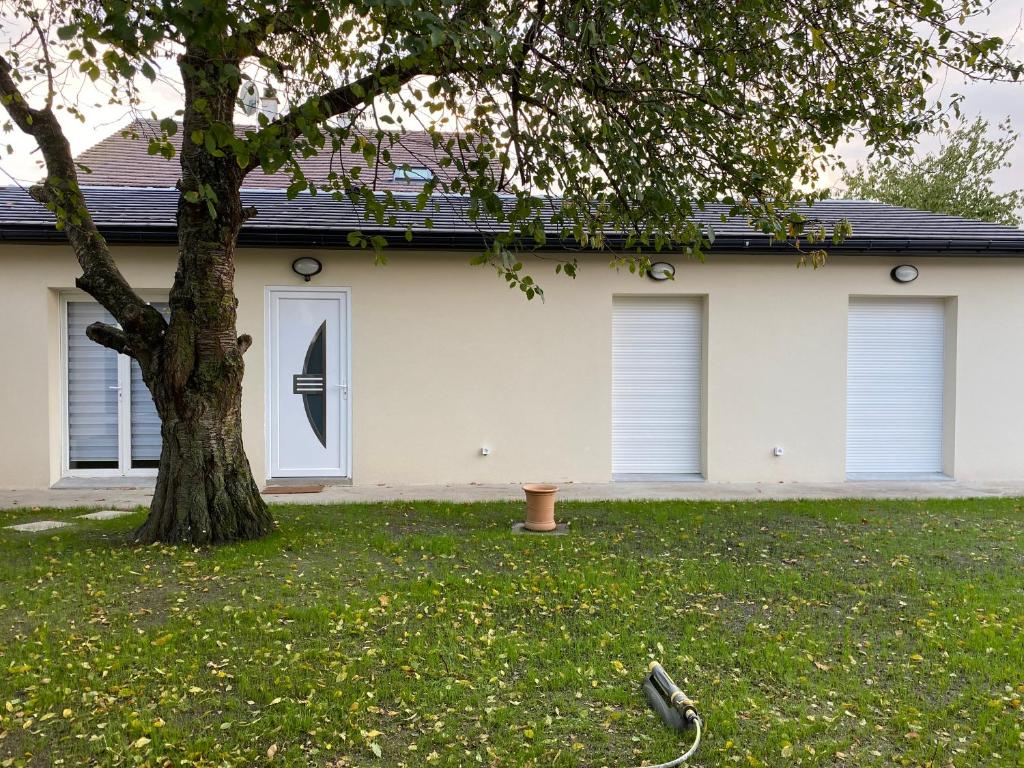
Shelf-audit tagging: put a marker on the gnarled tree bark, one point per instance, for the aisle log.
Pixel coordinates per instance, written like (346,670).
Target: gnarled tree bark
(192,365)
(205,491)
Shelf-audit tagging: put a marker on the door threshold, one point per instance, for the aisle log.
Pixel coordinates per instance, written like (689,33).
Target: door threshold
(898,477)
(664,477)
(309,480)
(105,483)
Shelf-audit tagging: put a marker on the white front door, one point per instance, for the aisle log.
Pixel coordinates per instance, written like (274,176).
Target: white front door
(309,388)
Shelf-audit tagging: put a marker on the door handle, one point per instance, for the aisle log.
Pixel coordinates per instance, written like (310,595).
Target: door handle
(342,387)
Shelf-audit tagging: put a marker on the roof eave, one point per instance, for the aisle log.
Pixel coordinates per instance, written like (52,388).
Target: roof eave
(295,237)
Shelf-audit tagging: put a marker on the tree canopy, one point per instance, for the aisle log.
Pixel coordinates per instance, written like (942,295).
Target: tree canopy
(956,179)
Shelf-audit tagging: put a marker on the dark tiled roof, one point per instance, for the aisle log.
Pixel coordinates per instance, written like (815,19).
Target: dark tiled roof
(122,160)
(147,215)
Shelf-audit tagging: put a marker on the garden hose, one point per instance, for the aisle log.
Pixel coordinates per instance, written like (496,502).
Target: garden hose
(675,708)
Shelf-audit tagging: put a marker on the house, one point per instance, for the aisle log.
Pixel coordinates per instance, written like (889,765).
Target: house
(901,358)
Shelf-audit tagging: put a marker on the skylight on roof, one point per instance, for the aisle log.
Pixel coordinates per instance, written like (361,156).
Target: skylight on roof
(413,174)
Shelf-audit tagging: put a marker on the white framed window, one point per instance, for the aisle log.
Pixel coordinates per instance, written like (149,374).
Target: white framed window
(414,173)
(110,425)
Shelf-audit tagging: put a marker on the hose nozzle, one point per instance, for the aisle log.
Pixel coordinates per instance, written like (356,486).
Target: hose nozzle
(674,707)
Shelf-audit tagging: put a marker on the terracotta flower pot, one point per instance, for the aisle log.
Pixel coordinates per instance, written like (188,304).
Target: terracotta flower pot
(540,506)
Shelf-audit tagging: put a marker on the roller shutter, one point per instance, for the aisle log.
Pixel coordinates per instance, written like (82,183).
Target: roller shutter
(656,386)
(895,381)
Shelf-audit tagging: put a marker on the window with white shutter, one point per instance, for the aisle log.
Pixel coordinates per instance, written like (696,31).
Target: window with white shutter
(895,386)
(657,385)
(92,391)
(111,423)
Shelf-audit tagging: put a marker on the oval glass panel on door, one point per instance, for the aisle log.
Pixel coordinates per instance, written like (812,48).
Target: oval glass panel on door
(309,388)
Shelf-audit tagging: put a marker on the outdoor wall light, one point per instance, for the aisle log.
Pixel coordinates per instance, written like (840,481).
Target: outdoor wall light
(904,273)
(661,270)
(307,266)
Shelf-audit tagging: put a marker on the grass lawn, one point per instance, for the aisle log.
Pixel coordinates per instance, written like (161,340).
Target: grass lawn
(853,633)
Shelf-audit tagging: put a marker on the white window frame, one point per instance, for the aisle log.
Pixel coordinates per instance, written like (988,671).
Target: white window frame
(413,174)
(124,403)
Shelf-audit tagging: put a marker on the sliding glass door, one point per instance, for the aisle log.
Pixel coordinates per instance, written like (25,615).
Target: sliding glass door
(111,425)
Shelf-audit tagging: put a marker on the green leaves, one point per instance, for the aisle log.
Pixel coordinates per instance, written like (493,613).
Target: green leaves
(204,195)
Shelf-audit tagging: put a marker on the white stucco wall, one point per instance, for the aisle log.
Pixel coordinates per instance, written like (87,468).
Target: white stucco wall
(447,359)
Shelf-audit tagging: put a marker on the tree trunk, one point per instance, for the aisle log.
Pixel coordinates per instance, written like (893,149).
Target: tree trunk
(192,364)
(205,492)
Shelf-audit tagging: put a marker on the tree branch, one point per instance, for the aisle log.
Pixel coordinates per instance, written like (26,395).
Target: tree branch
(345,98)
(339,101)
(109,337)
(61,194)
(46,60)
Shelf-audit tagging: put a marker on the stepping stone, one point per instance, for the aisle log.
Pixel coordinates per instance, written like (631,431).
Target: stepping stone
(106,514)
(39,525)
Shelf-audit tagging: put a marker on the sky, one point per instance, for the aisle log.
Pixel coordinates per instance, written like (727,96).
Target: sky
(992,101)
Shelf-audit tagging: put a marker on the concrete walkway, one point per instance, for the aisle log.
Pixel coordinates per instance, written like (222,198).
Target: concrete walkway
(129,496)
